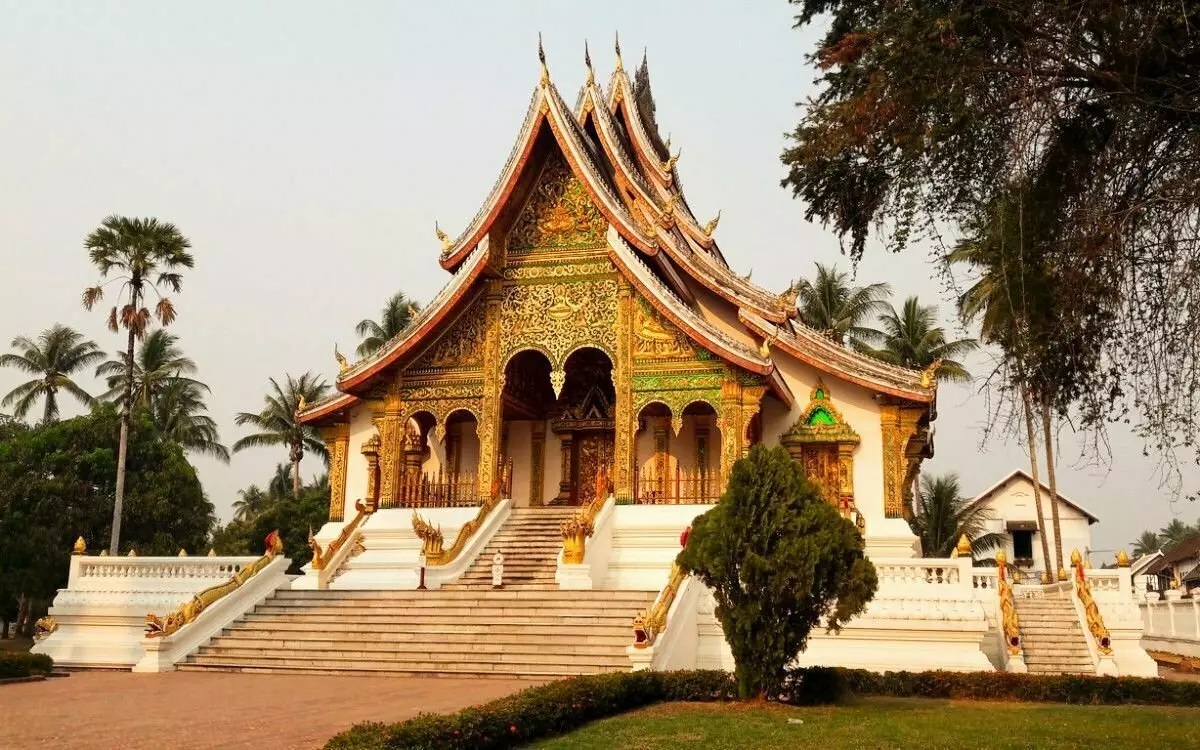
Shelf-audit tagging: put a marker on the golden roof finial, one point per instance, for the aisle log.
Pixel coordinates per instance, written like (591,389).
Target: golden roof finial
(446,243)
(80,547)
(587,60)
(787,300)
(929,374)
(746,278)
(617,46)
(667,145)
(301,404)
(1122,559)
(343,365)
(764,349)
(712,224)
(670,163)
(542,59)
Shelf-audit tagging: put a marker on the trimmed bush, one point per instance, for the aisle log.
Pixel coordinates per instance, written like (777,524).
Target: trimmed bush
(564,706)
(24,665)
(1006,686)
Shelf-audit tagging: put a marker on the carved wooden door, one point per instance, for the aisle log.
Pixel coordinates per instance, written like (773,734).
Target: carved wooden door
(595,452)
(821,466)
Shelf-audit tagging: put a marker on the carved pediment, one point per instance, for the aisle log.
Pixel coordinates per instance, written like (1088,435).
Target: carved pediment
(655,338)
(558,214)
(820,422)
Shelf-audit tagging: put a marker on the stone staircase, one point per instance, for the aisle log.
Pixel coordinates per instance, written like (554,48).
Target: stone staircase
(528,628)
(1051,637)
(530,541)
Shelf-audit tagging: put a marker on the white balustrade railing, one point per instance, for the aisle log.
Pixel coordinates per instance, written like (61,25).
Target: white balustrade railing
(919,572)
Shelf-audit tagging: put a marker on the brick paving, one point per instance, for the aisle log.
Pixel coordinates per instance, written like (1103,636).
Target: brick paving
(194,710)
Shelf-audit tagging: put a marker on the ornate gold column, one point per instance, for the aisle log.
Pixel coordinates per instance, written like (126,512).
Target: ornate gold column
(566,452)
(537,460)
(391,447)
(752,396)
(662,452)
(370,449)
(337,442)
(493,388)
(899,426)
(625,426)
(731,426)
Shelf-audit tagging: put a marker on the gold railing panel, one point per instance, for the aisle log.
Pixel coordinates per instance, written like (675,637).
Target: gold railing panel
(157,627)
(1091,610)
(649,623)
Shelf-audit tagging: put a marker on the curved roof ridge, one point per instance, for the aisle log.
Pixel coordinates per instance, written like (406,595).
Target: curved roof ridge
(614,145)
(466,273)
(325,406)
(680,311)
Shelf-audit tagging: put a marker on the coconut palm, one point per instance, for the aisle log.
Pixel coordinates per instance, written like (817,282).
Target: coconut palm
(159,363)
(837,308)
(178,413)
(278,424)
(145,256)
(1175,532)
(1002,300)
(911,337)
(393,319)
(251,503)
(1146,544)
(57,354)
(943,516)
(281,481)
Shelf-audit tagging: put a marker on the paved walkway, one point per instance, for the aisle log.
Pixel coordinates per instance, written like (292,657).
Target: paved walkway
(193,710)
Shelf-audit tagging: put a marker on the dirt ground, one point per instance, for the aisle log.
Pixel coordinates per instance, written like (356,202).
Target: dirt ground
(193,710)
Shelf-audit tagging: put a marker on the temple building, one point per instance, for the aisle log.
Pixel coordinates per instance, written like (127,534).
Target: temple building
(592,323)
(511,474)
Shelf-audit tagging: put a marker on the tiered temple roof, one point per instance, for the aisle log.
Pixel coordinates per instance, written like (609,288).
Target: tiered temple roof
(654,239)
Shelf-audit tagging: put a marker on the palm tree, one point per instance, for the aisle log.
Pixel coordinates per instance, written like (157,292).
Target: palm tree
(278,425)
(1146,544)
(393,319)
(158,364)
(143,255)
(833,306)
(910,337)
(251,503)
(54,357)
(944,515)
(1001,300)
(281,482)
(178,413)
(1175,532)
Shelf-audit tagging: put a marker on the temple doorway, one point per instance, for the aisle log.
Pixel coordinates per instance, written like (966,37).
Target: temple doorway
(584,424)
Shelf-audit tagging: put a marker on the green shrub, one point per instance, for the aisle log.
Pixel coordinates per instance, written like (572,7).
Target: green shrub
(778,559)
(24,665)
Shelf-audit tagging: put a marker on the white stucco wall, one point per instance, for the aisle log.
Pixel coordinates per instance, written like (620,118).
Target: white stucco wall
(361,429)
(1015,502)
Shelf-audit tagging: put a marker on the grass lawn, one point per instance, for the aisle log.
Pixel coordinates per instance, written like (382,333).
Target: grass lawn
(890,723)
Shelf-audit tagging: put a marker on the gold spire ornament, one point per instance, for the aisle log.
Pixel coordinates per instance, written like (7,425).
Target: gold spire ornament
(302,404)
(929,374)
(132,552)
(446,243)
(617,46)
(1122,559)
(182,552)
(667,145)
(712,224)
(80,547)
(964,547)
(746,278)
(764,349)
(542,59)
(343,365)
(587,61)
(670,163)
(212,552)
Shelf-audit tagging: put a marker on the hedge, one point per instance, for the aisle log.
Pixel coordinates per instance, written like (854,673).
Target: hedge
(24,665)
(561,707)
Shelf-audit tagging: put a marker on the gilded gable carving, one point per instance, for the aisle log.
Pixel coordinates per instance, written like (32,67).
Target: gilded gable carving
(462,345)
(558,214)
(655,338)
(558,318)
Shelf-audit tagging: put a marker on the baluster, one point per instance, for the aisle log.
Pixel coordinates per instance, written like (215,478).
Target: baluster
(678,478)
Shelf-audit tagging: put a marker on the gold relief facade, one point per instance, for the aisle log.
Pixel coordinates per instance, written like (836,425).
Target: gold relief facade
(556,319)
(558,214)
(655,338)
(623,411)
(900,425)
(337,442)
(461,346)
(493,386)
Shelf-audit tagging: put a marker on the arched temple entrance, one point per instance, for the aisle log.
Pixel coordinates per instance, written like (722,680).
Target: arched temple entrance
(677,457)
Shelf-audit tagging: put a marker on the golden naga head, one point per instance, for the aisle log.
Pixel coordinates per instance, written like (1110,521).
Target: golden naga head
(641,638)
(929,374)
(712,224)
(431,538)
(318,558)
(301,404)
(274,543)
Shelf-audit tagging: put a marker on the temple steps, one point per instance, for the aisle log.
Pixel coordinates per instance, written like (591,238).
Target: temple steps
(527,628)
(1052,640)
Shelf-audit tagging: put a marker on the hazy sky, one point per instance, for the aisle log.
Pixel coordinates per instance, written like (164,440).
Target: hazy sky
(307,148)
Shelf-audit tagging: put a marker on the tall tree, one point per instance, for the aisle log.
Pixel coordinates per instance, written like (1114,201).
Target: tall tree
(833,305)
(57,354)
(1081,120)
(179,414)
(159,362)
(1146,544)
(944,515)
(251,502)
(278,424)
(281,481)
(393,319)
(911,337)
(145,256)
